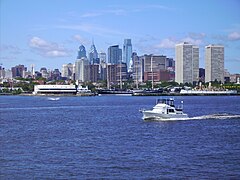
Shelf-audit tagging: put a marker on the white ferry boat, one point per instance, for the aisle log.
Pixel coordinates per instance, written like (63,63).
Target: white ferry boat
(164,110)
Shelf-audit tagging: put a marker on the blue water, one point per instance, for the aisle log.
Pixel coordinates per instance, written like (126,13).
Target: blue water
(105,138)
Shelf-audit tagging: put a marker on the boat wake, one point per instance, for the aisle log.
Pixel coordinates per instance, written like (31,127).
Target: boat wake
(204,117)
(218,116)
(53,99)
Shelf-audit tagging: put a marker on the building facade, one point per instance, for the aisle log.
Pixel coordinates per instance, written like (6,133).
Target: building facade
(127,52)
(81,52)
(67,71)
(116,74)
(187,63)
(154,68)
(137,69)
(93,55)
(114,54)
(19,71)
(214,63)
(94,75)
(102,57)
(82,69)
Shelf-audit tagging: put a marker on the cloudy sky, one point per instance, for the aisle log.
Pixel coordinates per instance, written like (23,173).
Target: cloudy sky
(47,33)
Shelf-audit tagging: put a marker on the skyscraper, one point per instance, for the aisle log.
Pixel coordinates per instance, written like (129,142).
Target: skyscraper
(102,57)
(81,52)
(127,52)
(18,71)
(81,69)
(93,54)
(67,71)
(114,54)
(187,63)
(214,63)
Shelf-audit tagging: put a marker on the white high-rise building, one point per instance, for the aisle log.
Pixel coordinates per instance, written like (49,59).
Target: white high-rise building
(214,63)
(187,63)
(81,69)
(67,71)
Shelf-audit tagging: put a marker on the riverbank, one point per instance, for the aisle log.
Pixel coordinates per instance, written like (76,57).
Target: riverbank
(139,94)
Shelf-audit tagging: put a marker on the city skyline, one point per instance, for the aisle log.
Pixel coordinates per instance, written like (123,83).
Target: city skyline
(49,33)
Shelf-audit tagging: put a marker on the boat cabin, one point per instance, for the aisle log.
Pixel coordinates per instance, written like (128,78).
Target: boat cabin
(169,102)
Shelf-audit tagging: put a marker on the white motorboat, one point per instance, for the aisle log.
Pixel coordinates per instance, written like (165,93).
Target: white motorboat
(164,110)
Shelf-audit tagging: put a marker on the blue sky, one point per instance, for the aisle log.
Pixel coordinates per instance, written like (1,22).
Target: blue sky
(47,33)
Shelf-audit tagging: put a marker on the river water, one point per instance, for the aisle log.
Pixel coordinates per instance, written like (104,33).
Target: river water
(106,138)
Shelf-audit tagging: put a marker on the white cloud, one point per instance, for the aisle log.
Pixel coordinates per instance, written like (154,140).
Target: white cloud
(192,41)
(47,49)
(166,43)
(234,36)
(81,39)
(91,15)
(169,43)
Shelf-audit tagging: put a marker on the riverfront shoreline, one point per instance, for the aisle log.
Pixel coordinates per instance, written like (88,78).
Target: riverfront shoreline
(143,94)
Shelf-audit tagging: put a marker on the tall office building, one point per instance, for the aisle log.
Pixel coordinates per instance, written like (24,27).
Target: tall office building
(187,63)
(81,52)
(67,71)
(127,52)
(102,57)
(44,72)
(137,69)
(19,71)
(93,55)
(154,67)
(114,54)
(81,69)
(214,63)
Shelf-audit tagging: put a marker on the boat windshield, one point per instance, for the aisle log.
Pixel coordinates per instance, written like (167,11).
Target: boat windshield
(169,102)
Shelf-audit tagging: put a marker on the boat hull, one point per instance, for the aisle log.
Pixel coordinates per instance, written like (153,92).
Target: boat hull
(149,115)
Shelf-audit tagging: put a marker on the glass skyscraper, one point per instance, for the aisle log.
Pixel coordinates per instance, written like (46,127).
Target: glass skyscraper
(93,54)
(114,54)
(127,52)
(81,52)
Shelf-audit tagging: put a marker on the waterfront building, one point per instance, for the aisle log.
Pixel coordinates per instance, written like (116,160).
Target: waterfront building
(103,71)
(154,68)
(187,63)
(234,78)
(93,55)
(44,72)
(68,71)
(93,72)
(8,74)
(127,52)
(214,63)
(102,57)
(202,74)
(2,72)
(170,63)
(114,54)
(137,69)
(116,74)
(55,75)
(55,89)
(18,71)
(81,52)
(82,69)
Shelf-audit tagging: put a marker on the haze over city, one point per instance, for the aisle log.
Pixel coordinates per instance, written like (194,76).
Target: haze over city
(48,33)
